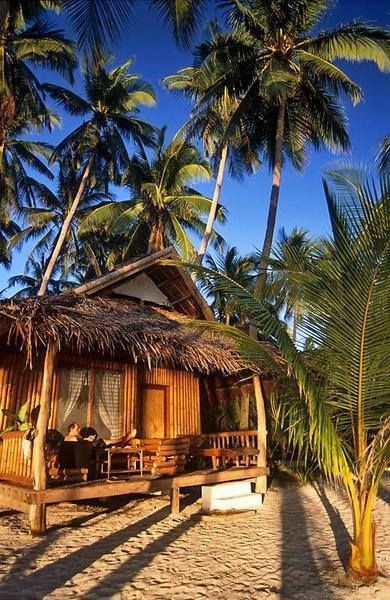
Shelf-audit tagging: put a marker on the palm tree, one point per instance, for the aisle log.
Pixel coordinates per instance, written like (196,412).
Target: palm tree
(16,155)
(383,156)
(28,39)
(98,144)
(272,56)
(341,411)
(98,23)
(236,149)
(30,281)
(164,209)
(240,269)
(293,254)
(17,187)
(44,219)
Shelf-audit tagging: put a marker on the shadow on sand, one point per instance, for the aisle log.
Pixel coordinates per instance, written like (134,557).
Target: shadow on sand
(340,532)
(54,575)
(301,560)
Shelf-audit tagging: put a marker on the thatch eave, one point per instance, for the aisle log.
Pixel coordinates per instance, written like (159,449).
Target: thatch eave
(119,329)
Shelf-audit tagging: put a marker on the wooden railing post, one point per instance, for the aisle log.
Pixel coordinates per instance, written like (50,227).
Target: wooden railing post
(38,511)
(261,482)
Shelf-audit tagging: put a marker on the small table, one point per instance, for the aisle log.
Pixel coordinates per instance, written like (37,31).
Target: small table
(129,452)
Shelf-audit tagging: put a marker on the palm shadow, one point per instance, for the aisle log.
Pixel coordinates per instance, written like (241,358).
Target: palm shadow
(340,531)
(300,569)
(42,582)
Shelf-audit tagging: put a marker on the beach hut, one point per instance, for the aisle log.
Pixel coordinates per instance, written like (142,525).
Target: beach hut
(119,353)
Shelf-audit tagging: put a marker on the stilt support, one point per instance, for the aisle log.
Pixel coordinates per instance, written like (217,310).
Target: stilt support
(37,519)
(175,501)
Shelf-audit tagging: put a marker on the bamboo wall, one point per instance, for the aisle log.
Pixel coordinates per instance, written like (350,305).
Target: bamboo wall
(18,384)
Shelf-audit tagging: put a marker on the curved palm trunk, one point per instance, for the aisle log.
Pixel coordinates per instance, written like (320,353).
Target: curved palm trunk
(65,227)
(214,206)
(274,198)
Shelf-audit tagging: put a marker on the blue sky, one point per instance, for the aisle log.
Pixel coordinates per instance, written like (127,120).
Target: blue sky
(301,201)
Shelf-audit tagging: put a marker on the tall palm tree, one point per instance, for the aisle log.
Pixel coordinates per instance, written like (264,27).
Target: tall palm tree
(30,281)
(164,208)
(292,255)
(17,187)
(237,150)
(272,55)
(18,154)
(44,219)
(240,269)
(98,23)
(340,408)
(112,100)
(27,40)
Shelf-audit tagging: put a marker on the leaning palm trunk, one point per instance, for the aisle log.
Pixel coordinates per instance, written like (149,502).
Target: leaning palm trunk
(274,199)
(214,206)
(65,227)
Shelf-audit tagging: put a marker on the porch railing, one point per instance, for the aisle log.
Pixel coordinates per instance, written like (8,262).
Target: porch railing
(232,439)
(13,465)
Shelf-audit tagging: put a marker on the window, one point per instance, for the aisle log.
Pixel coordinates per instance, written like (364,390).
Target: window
(91,397)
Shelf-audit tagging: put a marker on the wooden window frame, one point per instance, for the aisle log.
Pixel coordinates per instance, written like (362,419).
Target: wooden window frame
(91,368)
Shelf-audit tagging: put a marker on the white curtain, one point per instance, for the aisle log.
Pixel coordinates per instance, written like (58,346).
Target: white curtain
(72,383)
(108,400)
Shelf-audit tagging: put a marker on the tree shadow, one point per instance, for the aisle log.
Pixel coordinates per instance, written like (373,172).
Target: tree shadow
(340,531)
(128,570)
(71,564)
(300,569)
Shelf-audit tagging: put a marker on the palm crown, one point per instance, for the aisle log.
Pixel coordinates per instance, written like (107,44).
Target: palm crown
(30,39)
(270,62)
(165,208)
(98,145)
(112,100)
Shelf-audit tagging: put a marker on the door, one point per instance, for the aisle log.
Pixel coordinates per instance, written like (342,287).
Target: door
(153,411)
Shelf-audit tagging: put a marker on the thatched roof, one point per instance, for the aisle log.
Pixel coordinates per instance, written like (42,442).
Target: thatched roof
(116,328)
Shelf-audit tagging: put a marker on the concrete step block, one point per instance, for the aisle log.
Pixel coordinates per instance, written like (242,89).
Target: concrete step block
(227,490)
(246,502)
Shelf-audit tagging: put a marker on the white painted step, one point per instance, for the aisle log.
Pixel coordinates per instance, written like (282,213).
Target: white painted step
(227,490)
(247,502)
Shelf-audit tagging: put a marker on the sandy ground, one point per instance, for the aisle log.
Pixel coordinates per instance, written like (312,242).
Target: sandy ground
(135,550)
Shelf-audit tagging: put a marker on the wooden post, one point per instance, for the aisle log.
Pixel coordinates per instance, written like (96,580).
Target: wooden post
(261,482)
(38,511)
(244,408)
(175,501)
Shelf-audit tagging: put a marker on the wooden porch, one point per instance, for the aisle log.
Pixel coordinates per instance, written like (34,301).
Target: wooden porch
(233,456)
(22,497)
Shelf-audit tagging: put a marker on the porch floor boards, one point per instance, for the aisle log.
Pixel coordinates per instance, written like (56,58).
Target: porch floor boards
(21,497)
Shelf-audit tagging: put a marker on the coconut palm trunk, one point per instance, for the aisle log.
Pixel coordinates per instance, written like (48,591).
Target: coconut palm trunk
(156,239)
(66,226)
(274,199)
(362,564)
(214,206)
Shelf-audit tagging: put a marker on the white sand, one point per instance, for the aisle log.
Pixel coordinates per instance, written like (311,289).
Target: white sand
(136,551)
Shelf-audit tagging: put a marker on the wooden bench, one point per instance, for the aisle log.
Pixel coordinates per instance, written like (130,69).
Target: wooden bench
(228,447)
